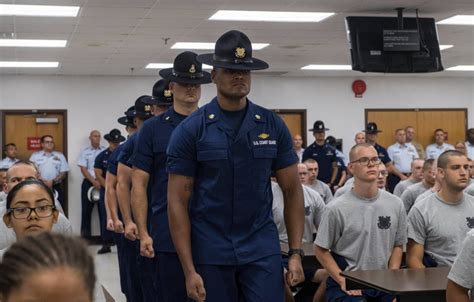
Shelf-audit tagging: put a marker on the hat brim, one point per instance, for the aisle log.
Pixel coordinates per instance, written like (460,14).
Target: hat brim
(124,121)
(318,130)
(167,74)
(109,139)
(158,102)
(371,132)
(208,58)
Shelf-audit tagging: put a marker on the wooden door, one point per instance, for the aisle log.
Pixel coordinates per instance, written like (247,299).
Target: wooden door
(425,121)
(295,120)
(20,126)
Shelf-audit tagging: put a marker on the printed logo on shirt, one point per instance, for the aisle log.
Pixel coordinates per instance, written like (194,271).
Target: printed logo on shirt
(384,222)
(470,222)
(264,140)
(307,211)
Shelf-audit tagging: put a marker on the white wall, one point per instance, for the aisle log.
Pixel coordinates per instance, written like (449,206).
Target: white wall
(96,102)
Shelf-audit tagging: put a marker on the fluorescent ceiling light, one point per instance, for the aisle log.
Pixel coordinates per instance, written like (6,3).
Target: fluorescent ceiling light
(458,20)
(15,64)
(32,43)
(443,47)
(169,65)
(326,67)
(38,10)
(461,68)
(269,16)
(210,46)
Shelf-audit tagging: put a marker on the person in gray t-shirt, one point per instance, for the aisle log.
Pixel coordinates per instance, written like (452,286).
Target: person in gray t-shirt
(415,177)
(438,224)
(315,184)
(461,276)
(412,192)
(363,229)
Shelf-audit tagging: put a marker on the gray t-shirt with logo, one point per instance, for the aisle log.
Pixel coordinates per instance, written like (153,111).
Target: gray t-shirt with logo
(363,231)
(313,209)
(462,271)
(411,193)
(323,190)
(402,185)
(441,227)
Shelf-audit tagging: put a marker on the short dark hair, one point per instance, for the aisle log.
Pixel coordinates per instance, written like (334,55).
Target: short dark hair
(439,129)
(428,164)
(45,136)
(5,147)
(29,182)
(44,251)
(443,159)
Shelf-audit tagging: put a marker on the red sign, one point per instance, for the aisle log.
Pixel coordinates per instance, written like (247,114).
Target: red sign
(359,87)
(33,143)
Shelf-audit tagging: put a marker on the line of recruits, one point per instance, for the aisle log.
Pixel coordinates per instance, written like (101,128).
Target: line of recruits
(189,224)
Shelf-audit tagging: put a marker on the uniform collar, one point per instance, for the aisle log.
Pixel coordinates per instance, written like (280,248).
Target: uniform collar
(254,116)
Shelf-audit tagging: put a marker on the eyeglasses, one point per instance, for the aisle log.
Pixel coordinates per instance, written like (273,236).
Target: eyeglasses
(364,161)
(24,212)
(383,173)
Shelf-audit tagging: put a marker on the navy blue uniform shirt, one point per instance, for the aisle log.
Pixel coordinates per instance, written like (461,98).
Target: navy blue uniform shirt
(127,150)
(112,165)
(150,156)
(325,155)
(382,153)
(102,160)
(231,206)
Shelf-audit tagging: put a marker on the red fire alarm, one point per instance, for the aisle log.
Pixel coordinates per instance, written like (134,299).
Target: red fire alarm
(359,87)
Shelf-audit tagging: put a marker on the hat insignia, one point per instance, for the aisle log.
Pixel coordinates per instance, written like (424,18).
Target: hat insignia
(167,93)
(147,108)
(192,69)
(240,52)
(263,135)
(320,126)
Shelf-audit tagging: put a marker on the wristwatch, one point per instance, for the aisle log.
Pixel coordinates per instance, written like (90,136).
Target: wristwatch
(292,252)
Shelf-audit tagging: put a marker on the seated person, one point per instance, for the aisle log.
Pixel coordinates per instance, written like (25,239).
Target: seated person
(364,229)
(412,192)
(47,267)
(314,208)
(416,175)
(18,172)
(314,183)
(437,225)
(461,276)
(31,211)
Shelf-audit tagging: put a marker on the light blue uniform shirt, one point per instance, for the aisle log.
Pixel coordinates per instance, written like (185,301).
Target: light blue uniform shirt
(434,151)
(50,164)
(87,158)
(7,162)
(402,156)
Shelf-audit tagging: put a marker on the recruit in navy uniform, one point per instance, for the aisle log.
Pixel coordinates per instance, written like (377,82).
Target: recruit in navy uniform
(219,162)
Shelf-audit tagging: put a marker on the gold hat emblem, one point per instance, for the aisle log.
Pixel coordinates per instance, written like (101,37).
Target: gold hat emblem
(264,135)
(147,108)
(240,52)
(167,93)
(192,69)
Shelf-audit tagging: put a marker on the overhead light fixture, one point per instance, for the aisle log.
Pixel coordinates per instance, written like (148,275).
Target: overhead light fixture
(269,16)
(443,47)
(38,10)
(458,20)
(461,68)
(169,65)
(326,67)
(16,64)
(32,43)
(209,46)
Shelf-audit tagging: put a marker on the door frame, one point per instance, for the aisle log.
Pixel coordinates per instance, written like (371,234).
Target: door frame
(62,112)
(302,112)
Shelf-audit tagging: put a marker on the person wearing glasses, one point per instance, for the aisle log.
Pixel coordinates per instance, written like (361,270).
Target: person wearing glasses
(52,165)
(31,212)
(19,172)
(438,224)
(364,229)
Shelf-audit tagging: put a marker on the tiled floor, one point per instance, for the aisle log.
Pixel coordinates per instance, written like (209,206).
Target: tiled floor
(107,272)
